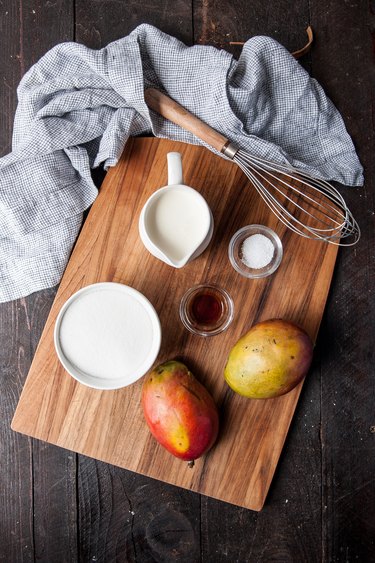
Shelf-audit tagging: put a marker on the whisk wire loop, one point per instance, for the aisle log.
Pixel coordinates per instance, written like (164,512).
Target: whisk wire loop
(327,215)
(314,203)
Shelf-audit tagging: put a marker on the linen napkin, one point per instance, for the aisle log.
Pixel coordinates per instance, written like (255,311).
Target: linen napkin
(77,107)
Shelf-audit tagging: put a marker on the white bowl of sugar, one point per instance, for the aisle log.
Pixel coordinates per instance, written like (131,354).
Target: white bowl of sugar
(107,335)
(255,251)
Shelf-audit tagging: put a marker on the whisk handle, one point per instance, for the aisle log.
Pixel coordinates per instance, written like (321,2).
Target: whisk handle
(173,111)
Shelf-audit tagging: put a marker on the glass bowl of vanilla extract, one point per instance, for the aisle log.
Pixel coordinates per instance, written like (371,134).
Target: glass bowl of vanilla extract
(206,310)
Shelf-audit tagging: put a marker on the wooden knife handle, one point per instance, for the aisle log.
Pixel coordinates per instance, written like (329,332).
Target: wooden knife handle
(171,110)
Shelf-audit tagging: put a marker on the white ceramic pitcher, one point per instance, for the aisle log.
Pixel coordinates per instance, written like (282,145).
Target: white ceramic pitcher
(176,224)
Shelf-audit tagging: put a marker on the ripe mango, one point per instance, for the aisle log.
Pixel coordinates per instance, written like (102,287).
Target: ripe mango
(269,360)
(179,411)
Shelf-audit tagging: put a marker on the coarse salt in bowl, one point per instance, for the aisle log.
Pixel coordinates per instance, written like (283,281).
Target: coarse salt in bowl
(255,251)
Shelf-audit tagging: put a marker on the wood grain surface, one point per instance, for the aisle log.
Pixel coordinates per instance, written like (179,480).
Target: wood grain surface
(63,507)
(109,425)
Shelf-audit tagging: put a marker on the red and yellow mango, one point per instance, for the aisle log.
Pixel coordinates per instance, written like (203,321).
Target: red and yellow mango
(179,411)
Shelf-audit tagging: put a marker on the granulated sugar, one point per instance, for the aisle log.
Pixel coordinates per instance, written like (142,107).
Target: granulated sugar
(257,251)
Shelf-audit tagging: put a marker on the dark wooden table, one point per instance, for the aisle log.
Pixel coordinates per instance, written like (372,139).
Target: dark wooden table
(58,506)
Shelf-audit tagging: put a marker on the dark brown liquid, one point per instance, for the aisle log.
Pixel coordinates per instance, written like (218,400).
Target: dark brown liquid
(206,308)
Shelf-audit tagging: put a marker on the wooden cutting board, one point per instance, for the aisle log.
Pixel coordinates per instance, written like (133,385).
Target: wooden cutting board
(109,425)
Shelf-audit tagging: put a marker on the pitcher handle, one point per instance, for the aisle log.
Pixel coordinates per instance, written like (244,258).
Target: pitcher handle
(175,175)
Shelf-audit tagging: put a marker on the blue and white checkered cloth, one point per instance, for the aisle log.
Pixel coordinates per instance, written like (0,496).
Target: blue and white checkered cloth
(77,108)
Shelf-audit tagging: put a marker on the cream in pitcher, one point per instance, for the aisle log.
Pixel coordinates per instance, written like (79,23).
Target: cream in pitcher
(176,224)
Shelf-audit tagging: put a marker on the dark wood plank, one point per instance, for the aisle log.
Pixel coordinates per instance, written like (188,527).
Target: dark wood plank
(165,523)
(284,531)
(55,504)
(28,30)
(220,23)
(343,62)
(99,23)
(11,70)
(293,509)
(127,517)
(54,490)
(16,471)
(38,481)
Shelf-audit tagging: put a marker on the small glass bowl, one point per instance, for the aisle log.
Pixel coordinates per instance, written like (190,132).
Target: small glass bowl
(235,251)
(206,310)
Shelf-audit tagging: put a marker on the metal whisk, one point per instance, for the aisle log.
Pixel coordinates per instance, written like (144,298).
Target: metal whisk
(326,215)
(310,207)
